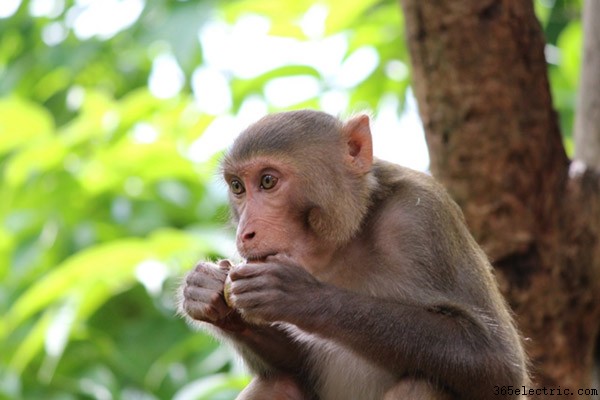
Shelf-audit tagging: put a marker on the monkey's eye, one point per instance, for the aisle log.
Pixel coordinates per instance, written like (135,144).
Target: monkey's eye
(268,182)
(236,187)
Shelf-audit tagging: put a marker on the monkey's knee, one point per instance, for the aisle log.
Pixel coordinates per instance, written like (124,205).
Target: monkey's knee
(410,388)
(280,387)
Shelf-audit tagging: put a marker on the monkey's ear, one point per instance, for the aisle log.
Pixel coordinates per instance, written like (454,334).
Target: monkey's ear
(360,144)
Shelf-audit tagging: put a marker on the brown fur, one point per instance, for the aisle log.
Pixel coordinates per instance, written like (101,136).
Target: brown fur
(362,280)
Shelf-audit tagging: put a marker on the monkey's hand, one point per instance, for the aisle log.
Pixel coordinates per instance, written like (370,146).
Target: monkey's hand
(203,298)
(271,291)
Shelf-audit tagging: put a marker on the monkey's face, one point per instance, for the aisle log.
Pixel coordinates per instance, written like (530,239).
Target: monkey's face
(299,185)
(265,196)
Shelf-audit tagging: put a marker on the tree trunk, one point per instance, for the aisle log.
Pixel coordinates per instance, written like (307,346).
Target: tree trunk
(587,120)
(481,84)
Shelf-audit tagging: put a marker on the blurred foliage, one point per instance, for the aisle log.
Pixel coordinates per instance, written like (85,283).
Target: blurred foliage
(93,211)
(561,22)
(104,201)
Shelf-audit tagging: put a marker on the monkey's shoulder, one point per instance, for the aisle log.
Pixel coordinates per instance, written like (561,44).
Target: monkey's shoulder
(405,187)
(415,213)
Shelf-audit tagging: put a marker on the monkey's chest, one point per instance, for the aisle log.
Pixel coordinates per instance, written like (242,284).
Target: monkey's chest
(340,373)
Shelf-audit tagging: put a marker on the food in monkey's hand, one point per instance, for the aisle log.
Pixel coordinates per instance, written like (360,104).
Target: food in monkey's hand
(227,292)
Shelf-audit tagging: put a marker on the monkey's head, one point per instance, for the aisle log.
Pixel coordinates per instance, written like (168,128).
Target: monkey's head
(298,178)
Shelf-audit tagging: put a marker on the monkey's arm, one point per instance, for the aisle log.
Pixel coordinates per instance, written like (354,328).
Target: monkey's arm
(266,348)
(443,342)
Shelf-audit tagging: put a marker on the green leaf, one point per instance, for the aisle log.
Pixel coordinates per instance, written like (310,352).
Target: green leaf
(242,88)
(276,10)
(570,43)
(110,263)
(344,16)
(159,370)
(21,122)
(94,274)
(32,345)
(39,158)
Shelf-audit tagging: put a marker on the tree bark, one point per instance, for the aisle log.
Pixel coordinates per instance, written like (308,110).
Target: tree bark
(480,78)
(587,119)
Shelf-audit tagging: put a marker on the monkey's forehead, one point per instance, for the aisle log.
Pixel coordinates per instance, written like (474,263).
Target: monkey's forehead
(258,163)
(292,137)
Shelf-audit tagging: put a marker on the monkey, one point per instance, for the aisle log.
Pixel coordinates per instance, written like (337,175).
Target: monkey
(360,278)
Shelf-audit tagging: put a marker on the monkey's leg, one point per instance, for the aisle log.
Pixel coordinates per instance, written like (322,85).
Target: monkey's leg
(281,387)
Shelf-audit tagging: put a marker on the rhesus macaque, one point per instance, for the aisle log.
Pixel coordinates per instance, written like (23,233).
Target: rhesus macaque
(360,281)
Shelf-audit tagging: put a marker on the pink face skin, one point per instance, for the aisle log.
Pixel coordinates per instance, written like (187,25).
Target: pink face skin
(264,192)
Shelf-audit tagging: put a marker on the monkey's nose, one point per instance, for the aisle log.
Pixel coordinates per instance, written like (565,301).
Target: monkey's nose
(247,236)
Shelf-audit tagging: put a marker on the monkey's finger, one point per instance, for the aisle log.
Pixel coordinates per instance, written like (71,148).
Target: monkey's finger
(255,284)
(199,294)
(246,271)
(203,299)
(225,265)
(211,278)
(244,302)
(205,312)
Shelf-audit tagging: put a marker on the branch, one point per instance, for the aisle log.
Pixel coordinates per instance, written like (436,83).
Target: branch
(587,117)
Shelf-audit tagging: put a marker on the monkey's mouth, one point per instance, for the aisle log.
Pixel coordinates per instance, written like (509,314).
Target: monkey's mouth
(259,257)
